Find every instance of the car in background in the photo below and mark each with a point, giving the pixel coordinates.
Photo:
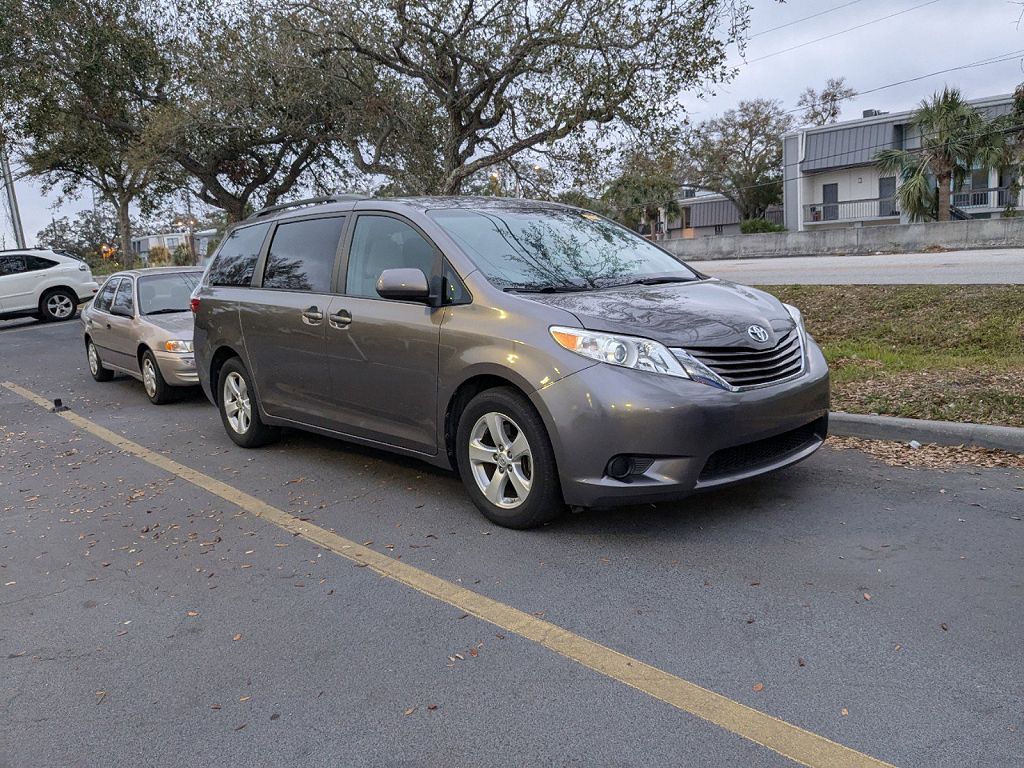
(140, 324)
(43, 283)
(549, 355)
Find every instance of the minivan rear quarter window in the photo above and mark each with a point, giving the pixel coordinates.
(302, 254)
(236, 261)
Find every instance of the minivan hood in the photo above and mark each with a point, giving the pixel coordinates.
(705, 313)
(179, 324)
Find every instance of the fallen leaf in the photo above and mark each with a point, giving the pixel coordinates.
(276, 716)
(944, 627)
(409, 711)
(473, 652)
(215, 706)
(844, 711)
(758, 687)
(800, 662)
(237, 637)
(244, 698)
(431, 707)
(241, 726)
(898, 647)
(867, 596)
(191, 613)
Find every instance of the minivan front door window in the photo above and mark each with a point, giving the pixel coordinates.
(383, 242)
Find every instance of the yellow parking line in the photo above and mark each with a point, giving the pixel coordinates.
(789, 740)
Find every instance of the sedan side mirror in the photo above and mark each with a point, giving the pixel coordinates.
(404, 284)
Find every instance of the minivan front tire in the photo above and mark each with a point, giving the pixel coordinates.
(506, 461)
(236, 400)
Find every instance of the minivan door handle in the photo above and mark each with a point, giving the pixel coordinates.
(341, 318)
(312, 316)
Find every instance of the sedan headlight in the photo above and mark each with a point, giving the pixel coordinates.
(623, 351)
(176, 345)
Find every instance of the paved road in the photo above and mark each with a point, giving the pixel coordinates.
(954, 267)
(104, 559)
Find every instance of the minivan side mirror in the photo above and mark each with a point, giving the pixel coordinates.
(404, 284)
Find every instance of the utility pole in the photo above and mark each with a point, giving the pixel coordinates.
(12, 197)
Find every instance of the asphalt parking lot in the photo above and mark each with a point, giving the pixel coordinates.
(151, 617)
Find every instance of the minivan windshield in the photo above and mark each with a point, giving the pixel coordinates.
(165, 294)
(555, 250)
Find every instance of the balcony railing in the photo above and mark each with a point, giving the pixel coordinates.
(991, 197)
(852, 210)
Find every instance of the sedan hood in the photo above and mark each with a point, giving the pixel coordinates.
(705, 313)
(178, 325)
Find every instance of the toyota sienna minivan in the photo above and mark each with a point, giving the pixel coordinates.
(550, 356)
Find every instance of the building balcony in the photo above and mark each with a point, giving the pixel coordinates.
(988, 199)
(852, 210)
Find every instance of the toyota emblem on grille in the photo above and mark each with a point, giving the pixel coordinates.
(757, 333)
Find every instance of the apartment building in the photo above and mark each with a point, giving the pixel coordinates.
(832, 181)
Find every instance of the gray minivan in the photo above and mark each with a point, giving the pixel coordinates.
(547, 354)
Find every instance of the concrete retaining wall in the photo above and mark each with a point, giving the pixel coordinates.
(895, 238)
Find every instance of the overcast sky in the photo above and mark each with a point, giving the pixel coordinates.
(940, 35)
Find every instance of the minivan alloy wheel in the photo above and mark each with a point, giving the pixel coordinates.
(60, 306)
(237, 406)
(501, 460)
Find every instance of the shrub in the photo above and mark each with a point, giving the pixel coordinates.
(182, 256)
(756, 226)
(159, 256)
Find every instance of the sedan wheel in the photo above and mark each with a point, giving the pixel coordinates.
(96, 365)
(501, 460)
(237, 406)
(149, 377)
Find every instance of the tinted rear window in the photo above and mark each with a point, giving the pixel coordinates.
(38, 262)
(236, 260)
(301, 256)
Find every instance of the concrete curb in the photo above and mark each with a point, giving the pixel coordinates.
(925, 431)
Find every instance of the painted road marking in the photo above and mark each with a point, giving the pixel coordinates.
(788, 740)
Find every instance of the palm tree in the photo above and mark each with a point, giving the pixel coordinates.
(954, 138)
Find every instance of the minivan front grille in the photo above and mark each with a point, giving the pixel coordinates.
(748, 367)
(762, 453)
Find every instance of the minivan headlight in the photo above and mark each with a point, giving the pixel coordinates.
(623, 351)
(177, 345)
(798, 318)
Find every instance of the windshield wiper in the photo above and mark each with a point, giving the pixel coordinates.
(546, 288)
(165, 311)
(654, 281)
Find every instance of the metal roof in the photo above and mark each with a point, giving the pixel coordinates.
(856, 142)
(711, 213)
(856, 145)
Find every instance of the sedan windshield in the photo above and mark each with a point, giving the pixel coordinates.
(161, 294)
(557, 250)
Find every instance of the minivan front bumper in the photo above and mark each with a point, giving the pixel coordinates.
(677, 436)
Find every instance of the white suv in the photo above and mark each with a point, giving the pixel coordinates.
(43, 283)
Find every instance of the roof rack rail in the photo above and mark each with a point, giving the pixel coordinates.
(342, 198)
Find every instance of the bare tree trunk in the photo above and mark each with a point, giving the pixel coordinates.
(124, 230)
(944, 195)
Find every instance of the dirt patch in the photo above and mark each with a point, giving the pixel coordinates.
(929, 456)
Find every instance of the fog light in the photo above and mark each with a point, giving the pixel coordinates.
(620, 467)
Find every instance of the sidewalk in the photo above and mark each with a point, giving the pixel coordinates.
(994, 266)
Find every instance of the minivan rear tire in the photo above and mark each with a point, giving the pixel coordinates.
(497, 460)
(239, 411)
